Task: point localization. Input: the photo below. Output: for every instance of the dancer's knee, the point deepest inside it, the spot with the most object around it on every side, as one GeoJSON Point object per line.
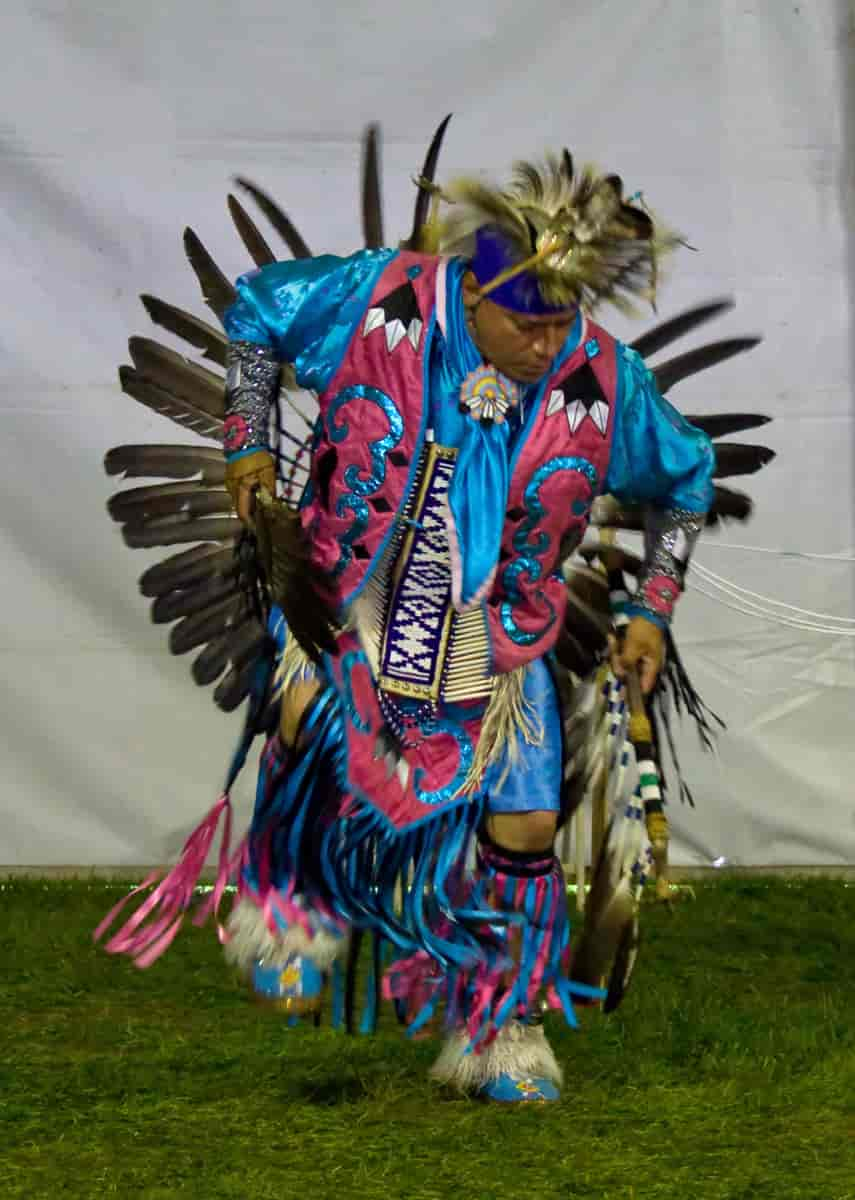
{"type": "Point", "coordinates": [525, 831]}
{"type": "Point", "coordinates": [296, 698]}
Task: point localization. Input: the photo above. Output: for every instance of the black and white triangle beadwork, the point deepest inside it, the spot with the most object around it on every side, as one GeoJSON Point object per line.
{"type": "Point", "coordinates": [398, 314]}
{"type": "Point", "coordinates": [580, 396]}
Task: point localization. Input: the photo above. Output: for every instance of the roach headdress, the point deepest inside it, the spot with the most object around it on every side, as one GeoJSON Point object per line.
{"type": "Point", "coordinates": [555, 238]}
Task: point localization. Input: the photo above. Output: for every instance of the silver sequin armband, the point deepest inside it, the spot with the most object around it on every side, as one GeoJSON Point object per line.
{"type": "Point", "coordinates": [252, 380]}
{"type": "Point", "coordinates": [670, 538]}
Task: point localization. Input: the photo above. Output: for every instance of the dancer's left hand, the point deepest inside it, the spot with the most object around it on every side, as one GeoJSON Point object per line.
{"type": "Point", "coordinates": [642, 647]}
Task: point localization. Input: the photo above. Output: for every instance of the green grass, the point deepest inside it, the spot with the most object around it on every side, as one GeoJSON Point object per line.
{"type": "Point", "coordinates": [728, 1073]}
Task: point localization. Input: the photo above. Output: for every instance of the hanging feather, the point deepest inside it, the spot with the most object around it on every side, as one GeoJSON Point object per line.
{"type": "Point", "coordinates": [675, 688]}
{"type": "Point", "coordinates": [737, 458]}
{"type": "Point", "coordinates": [234, 687]}
{"type": "Point", "coordinates": [166, 462]}
{"type": "Point", "coordinates": [664, 334]}
{"type": "Point", "coordinates": [692, 362]}
{"type": "Point", "coordinates": [137, 506]}
{"type": "Point", "coordinates": [577, 735]}
{"type": "Point", "coordinates": [188, 568]}
{"type": "Point", "coordinates": [610, 917]}
{"type": "Point", "coordinates": [234, 648]}
{"type": "Point", "coordinates": [217, 292]}
{"type": "Point", "coordinates": [177, 375]}
{"type": "Point", "coordinates": [187, 602]}
{"type": "Point", "coordinates": [208, 624]}
{"type": "Point", "coordinates": [259, 251]}
{"type": "Point", "coordinates": [423, 196]}
{"type": "Point", "coordinates": [277, 218]}
{"type": "Point", "coordinates": [175, 531]}
{"type": "Point", "coordinates": [372, 208]}
{"type": "Point", "coordinates": [212, 342]}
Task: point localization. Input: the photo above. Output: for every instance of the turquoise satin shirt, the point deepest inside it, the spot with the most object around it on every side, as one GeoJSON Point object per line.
{"type": "Point", "coordinates": [308, 310]}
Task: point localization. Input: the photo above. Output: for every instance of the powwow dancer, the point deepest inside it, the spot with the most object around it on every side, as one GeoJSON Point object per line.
{"type": "Point", "coordinates": [402, 610]}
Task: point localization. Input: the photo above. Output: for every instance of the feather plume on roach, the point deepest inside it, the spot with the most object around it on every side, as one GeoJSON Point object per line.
{"type": "Point", "coordinates": [574, 230]}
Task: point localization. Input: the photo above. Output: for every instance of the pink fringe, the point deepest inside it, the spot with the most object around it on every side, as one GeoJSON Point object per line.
{"type": "Point", "coordinates": [414, 981]}
{"type": "Point", "coordinates": [417, 979]}
{"type": "Point", "coordinates": [281, 909]}
{"type": "Point", "coordinates": [173, 895]}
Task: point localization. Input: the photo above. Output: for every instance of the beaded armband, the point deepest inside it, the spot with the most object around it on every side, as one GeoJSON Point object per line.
{"type": "Point", "coordinates": [671, 537]}
{"type": "Point", "coordinates": [251, 384]}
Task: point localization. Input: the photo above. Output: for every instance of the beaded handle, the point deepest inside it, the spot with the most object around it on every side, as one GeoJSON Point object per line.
{"type": "Point", "coordinates": [641, 736]}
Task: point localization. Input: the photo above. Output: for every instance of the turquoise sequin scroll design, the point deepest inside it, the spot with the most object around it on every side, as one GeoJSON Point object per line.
{"type": "Point", "coordinates": [354, 500]}
{"type": "Point", "coordinates": [527, 563]}
{"type": "Point", "coordinates": [352, 659]}
{"type": "Point", "coordinates": [466, 753]}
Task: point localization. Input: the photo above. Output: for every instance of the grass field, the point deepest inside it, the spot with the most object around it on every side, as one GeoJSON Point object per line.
{"type": "Point", "coordinates": [728, 1073]}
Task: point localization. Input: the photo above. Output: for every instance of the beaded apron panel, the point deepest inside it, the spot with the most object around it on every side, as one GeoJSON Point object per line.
{"type": "Point", "coordinates": [419, 648]}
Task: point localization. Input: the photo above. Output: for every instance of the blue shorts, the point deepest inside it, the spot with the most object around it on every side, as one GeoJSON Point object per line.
{"type": "Point", "coordinates": [533, 782]}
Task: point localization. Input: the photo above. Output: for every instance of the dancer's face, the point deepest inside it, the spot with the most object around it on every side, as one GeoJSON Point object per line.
{"type": "Point", "coordinates": [520, 346]}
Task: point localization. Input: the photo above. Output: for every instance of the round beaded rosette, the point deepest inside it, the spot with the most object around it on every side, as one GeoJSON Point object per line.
{"type": "Point", "coordinates": [488, 395]}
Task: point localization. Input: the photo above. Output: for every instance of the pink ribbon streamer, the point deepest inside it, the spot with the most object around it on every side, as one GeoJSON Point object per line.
{"type": "Point", "coordinates": [173, 895]}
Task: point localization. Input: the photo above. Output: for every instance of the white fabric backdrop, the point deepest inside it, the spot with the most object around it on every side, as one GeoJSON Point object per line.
{"type": "Point", "coordinates": [123, 122]}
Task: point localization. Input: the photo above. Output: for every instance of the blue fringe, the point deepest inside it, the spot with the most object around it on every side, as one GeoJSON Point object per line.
{"type": "Point", "coordinates": [352, 866]}
{"type": "Point", "coordinates": [337, 1017]}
